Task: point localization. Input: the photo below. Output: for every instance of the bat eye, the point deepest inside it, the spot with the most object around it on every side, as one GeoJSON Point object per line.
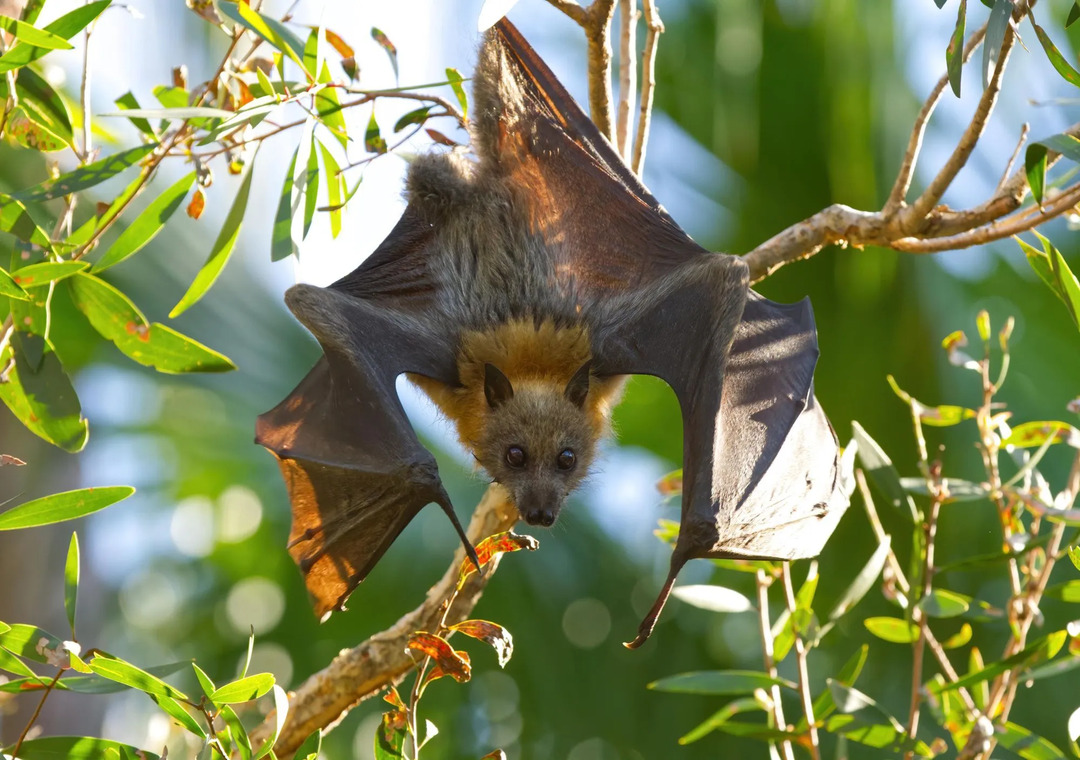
{"type": "Point", "coordinates": [566, 459]}
{"type": "Point", "coordinates": [515, 456]}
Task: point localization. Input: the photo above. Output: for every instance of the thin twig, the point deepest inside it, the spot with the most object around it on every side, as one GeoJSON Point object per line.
{"type": "Point", "coordinates": [628, 16]}
{"type": "Point", "coordinates": [800, 658]}
{"type": "Point", "coordinates": [572, 9]}
{"type": "Point", "coordinates": [84, 94]}
{"type": "Point", "coordinates": [1012, 159]}
{"type": "Point", "coordinates": [653, 29]}
{"type": "Point", "coordinates": [37, 711]}
{"type": "Point", "coordinates": [598, 34]}
{"type": "Point", "coordinates": [763, 583]}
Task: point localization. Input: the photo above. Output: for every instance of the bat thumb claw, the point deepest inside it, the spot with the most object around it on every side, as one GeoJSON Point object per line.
{"type": "Point", "coordinates": [470, 550]}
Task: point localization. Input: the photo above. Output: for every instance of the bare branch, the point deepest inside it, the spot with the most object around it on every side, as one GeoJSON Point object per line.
{"type": "Point", "coordinates": [653, 29]}
{"type": "Point", "coordinates": [763, 583]}
{"type": "Point", "coordinates": [1016, 154]}
{"type": "Point", "coordinates": [628, 16]}
{"type": "Point", "coordinates": [598, 32]}
{"type": "Point", "coordinates": [363, 671]}
{"type": "Point", "coordinates": [572, 9]}
{"type": "Point", "coordinates": [800, 657]}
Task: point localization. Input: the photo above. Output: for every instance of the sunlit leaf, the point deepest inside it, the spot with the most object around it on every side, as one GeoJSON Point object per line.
{"type": "Point", "coordinates": [996, 26]}
{"type": "Point", "coordinates": [801, 621]}
{"type": "Point", "coordinates": [418, 116]}
{"type": "Point", "coordinates": [155, 345]}
{"type": "Point", "coordinates": [128, 102]}
{"type": "Point", "coordinates": [281, 712]}
{"type": "Point", "coordinates": [179, 713]}
{"type": "Point", "coordinates": [1027, 744]}
{"type": "Point", "coordinates": [115, 669]}
{"type": "Point", "coordinates": [273, 31]}
{"type": "Point", "coordinates": [954, 54]}
{"type": "Point", "coordinates": [373, 140]}
{"type": "Point", "coordinates": [720, 717]}
{"type": "Point", "coordinates": [453, 76]}
{"type": "Point", "coordinates": [1057, 60]}
{"type": "Point", "coordinates": [1074, 555]}
{"type": "Point", "coordinates": [713, 598]}
{"type": "Point", "coordinates": [71, 581]}
{"type": "Point", "coordinates": [719, 682]}
{"type": "Point", "coordinates": [941, 603]}
{"type": "Point", "coordinates": [334, 191]}
{"type": "Point", "coordinates": [671, 484]}
{"type": "Point", "coordinates": [222, 248]}
{"type": "Point", "coordinates": [205, 683]}
{"type": "Point", "coordinates": [244, 690]}
{"type": "Point", "coordinates": [237, 733]}
{"type": "Point", "coordinates": [42, 105]}
{"type": "Point", "coordinates": [11, 289]}
{"type": "Point", "coordinates": [40, 394]}
{"type": "Point", "coordinates": [33, 643]}
{"type": "Point", "coordinates": [90, 684]}
{"type": "Point", "coordinates": [309, 748]}
{"type": "Point", "coordinates": [493, 546]}
{"type": "Point", "coordinates": [281, 242]}
{"type": "Point", "coordinates": [384, 42]}
{"type": "Point", "coordinates": [959, 639]}
{"type": "Point", "coordinates": [448, 660]}
{"type": "Point", "coordinates": [328, 106]}
{"type": "Point", "coordinates": [861, 719]}
{"type": "Point", "coordinates": [17, 221]}
{"type": "Point", "coordinates": [492, 634]}
{"type": "Point", "coordinates": [59, 507]}
{"type": "Point", "coordinates": [892, 629]}
{"type": "Point", "coordinates": [79, 748]}
{"type": "Point", "coordinates": [953, 489]}
{"type": "Point", "coordinates": [311, 186]}
{"type": "Point", "coordinates": [390, 735]}
{"type": "Point", "coordinates": [85, 176]}
{"type": "Point", "coordinates": [65, 27]}
{"type": "Point", "coordinates": [148, 224]}
{"type": "Point", "coordinates": [1043, 649]}
{"type": "Point", "coordinates": [1069, 591]}
{"type": "Point", "coordinates": [1032, 434]}
{"type": "Point", "coordinates": [825, 705]}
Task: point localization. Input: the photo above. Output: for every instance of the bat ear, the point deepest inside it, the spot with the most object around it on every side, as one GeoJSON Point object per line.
{"type": "Point", "coordinates": [497, 387]}
{"type": "Point", "coordinates": [578, 387]}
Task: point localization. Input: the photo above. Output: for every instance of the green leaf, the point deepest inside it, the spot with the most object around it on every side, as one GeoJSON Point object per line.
{"type": "Point", "coordinates": [40, 393]}
{"type": "Point", "coordinates": [419, 116]}
{"type": "Point", "coordinates": [115, 669]}
{"type": "Point", "coordinates": [1026, 744]}
{"type": "Point", "coordinates": [713, 598]}
{"type": "Point", "coordinates": [334, 190]}
{"type": "Point", "coordinates": [281, 712]}
{"type": "Point", "coordinates": [281, 242]}
{"type": "Point", "coordinates": [825, 705]}
{"type": "Point", "coordinates": [1050, 669]}
{"type": "Point", "coordinates": [84, 684]}
{"type": "Point", "coordinates": [79, 748]}
{"type": "Point", "coordinates": [1069, 591]}
{"type": "Point", "coordinates": [128, 102]}
{"type": "Point", "coordinates": [954, 54]}
{"type": "Point", "coordinates": [11, 289]}
{"type": "Point", "coordinates": [16, 220]}
{"type": "Point", "coordinates": [384, 42]}
{"type": "Point", "coordinates": [1074, 13]}
{"type": "Point", "coordinates": [996, 26]}
{"type": "Point", "coordinates": [1032, 434]}
{"type": "Point", "coordinates": [31, 35]}
{"type": "Point", "coordinates": [958, 639]}
{"type": "Point", "coordinates": [1040, 263]}
{"type": "Point", "coordinates": [205, 683]}
{"type": "Point", "coordinates": [1070, 286]}
{"type": "Point", "coordinates": [12, 664]}
{"type": "Point", "coordinates": [86, 176]}
{"type": "Point", "coordinates": [802, 620]}
{"type": "Point", "coordinates": [237, 733]}
{"type": "Point", "coordinates": [863, 582]}
{"type": "Point", "coordinates": [1043, 649]}
{"type": "Point", "coordinates": [179, 713]}
{"type": "Point", "coordinates": [955, 489]}
{"type": "Point", "coordinates": [453, 76]}
{"type": "Point", "coordinates": [1035, 168]}
{"type": "Point", "coordinates": [155, 345]}
{"type": "Point", "coordinates": [861, 719]}
{"type": "Point", "coordinates": [33, 643]}
{"type": "Point", "coordinates": [940, 603]}
{"type": "Point", "coordinates": [1074, 555]}
{"type": "Point", "coordinates": [48, 271]}
{"type": "Point", "coordinates": [373, 140]}
{"type": "Point", "coordinates": [311, 186]}
{"type": "Point", "coordinates": [147, 224]}
{"type": "Point", "coordinates": [65, 27]}
{"type": "Point", "coordinates": [881, 470]}
{"type": "Point", "coordinates": [719, 718]}
{"type": "Point", "coordinates": [1057, 60]}
{"type": "Point", "coordinates": [243, 690]}
{"type": "Point", "coordinates": [892, 629]}
{"type": "Point", "coordinates": [223, 246]}
{"type": "Point", "coordinates": [71, 581]}
{"type": "Point", "coordinates": [718, 682]}
{"type": "Point", "coordinates": [328, 106]}
{"type": "Point", "coordinates": [42, 104]}
{"type": "Point", "coordinates": [390, 736]}
{"type": "Point", "coordinates": [59, 507]}
{"type": "Point", "coordinates": [309, 749]}
{"type": "Point", "coordinates": [30, 134]}
{"type": "Point", "coordinates": [271, 30]}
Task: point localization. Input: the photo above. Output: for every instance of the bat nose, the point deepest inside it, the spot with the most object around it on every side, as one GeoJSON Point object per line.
{"type": "Point", "coordinates": [544, 517]}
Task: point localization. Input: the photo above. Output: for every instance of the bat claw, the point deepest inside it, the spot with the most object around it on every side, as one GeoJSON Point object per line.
{"type": "Point", "coordinates": [470, 550]}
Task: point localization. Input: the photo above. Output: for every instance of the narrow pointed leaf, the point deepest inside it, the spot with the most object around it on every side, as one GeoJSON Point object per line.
{"type": "Point", "coordinates": [244, 690]}
{"type": "Point", "coordinates": [881, 470]}
{"type": "Point", "coordinates": [86, 176]}
{"type": "Point", "coordinates": [65, 27]}
{"type": "Point", "coordinates": [17, 221]}
{"type": "Point", "coordinates": [328, 106]}
{"type": "Point", "coordinates": [1057, 60]}
{"type": "Point", "coordinates": [454, 77]}
{"type": "Point", "coordinates": [281, 242]}
{"type": "Point", "coordinates": [281, 712]}
{"type": "Point", "coordinates": [205, 683]}
{"type": "Point", "coordinates": [1039, 651]}
{"type": "Point", "coordinates": [1026, 744]}
{"type": "Point", "coordinates": [309, 749]}
{"type": "Point", "coordinates": [222, 249]}
{"type": "Point", "coordinates": [271, 30]}
{"type": "Point", "coordinates": [33, 643]}
{"type": "Point", "coordinates": [48, 271]}
{"type": "Point", "coordinates": [1074, 14]}
{"type": "Point", "coordinates": [1035, 168]}
{"type": "Point", "coordinates": [333, 190]}
{"type": "Point", "coordinates": [719, 682]}
{"type": "Point", "coordinates": [1070, 286]}
{"type": "Point", "coordinates": [80, 748]}
{"type": "Point", "coordinates": [59, 507]}
{"type": "Point", "coordinates": [128, 102]}
{"type": "Point", "coordinates": [31, 35]}
{"type": "Point", "coordinates": [237, 733]}
{"type": "Point", "coordinates": [720, 717]}
{"type": "Point", "coordinates": [384, 42]}
{"type": "Point", "coordinates": [40, 394]}
{"type": "Point", "coordinates": [118, 320]}
{"type": "Point", "coordinates": [11, 289]}
{"type": "Point", "coordinates": [892, 629]}
{"type": "Point", "coordinates": [418, 116]}
{"type": "Point", "coordinates": [941, 603]}
{"type": "Point", "coordinates": [864, 581]}
{"type": "Point", "coordinates": [996, 26]}
{"type": "Point", "coordinates": [450, 661]}
{"type": "Point", "coordinates": [147, 224]}
{"type": "Point", "coordinates": [71, 581]}
{"type": "Point", "coordinates": [311, 186]}
{"type": "Point", "coordinates": [123, 672]}
{"type": "Point", "coordinates": [179, 713]}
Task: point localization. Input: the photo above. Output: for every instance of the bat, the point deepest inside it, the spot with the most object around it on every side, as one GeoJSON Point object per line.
{"type": "Point", "coordinates": [519, 290]}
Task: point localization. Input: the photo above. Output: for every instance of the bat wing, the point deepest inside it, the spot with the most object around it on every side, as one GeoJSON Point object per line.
{"type": "Point", "coordinates": [355, 471]}
{"type": "Point", "coordinates": [760, 458]}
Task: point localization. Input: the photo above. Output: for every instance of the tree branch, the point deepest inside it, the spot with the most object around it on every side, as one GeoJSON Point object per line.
{"type": "Point", "coordinates": [366, 669]}
{"type": "Point", "coordinates": [628, 16]}
{"type": "Point", "coordinates": [653, 29]}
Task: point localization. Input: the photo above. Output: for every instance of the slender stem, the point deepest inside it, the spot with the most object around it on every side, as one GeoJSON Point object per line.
{"type": "Point", "coordinates": [37, 712]}
{"type": "Point", "coordinates": [800, 658]}
{"type": "Point", "coordinates": [1012, 159]}
{"type": "Point", "coordinates": [628, 16]}
{"type": "Point", "coordinates": [598, 34]}
{"type": "Point", "coordinates": [84, 95]}
{"type": "Point", "coordinates": [653, 29]}
{"type": "Point", "coordinates": [763, 583]}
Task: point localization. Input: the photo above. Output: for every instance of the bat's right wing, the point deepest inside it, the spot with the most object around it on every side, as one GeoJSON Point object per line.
{"type": "Point", "coordinates": [355, 470]}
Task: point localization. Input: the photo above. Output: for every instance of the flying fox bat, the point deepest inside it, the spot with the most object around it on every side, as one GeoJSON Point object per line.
{"type": "Point", "coordinates": [519, 290]}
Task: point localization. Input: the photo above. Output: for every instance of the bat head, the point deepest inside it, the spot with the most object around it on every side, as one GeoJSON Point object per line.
{"type": "Point", "coordinates": [538, 441]}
